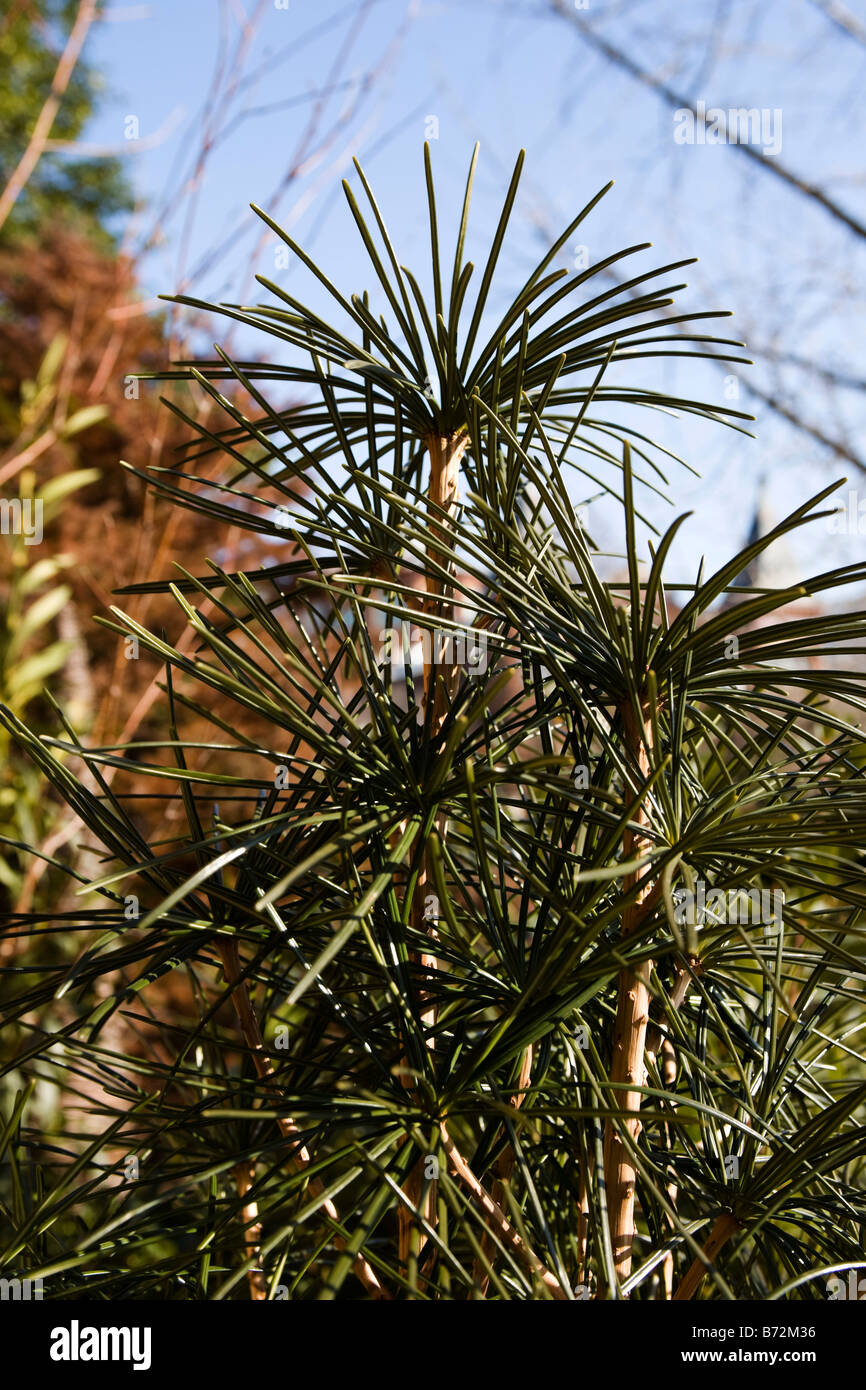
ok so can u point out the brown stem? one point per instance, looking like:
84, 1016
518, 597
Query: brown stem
228, 952
629, 1036
244, 1175
656, 1041
497, 1217
725, 1226
582, 1223
445, 453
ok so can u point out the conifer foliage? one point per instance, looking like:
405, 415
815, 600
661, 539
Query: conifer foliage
454, 1028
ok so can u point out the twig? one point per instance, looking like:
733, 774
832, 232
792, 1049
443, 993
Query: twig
677, 100
725, 1226
496, 1215
27, 456
42, 129
244, 1175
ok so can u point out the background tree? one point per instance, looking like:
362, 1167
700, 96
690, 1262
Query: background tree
47, 80
73, 328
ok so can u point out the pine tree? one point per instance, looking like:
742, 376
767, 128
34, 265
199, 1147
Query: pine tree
542, 930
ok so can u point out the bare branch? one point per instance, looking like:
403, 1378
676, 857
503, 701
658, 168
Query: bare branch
45, 121
843, 19
622, 60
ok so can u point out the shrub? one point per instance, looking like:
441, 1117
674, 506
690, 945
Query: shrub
466, 1009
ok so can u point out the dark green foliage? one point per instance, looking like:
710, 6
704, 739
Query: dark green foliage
754, 782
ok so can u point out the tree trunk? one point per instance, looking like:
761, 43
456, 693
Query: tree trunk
440, 680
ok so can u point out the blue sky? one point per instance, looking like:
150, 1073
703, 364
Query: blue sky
513, 75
